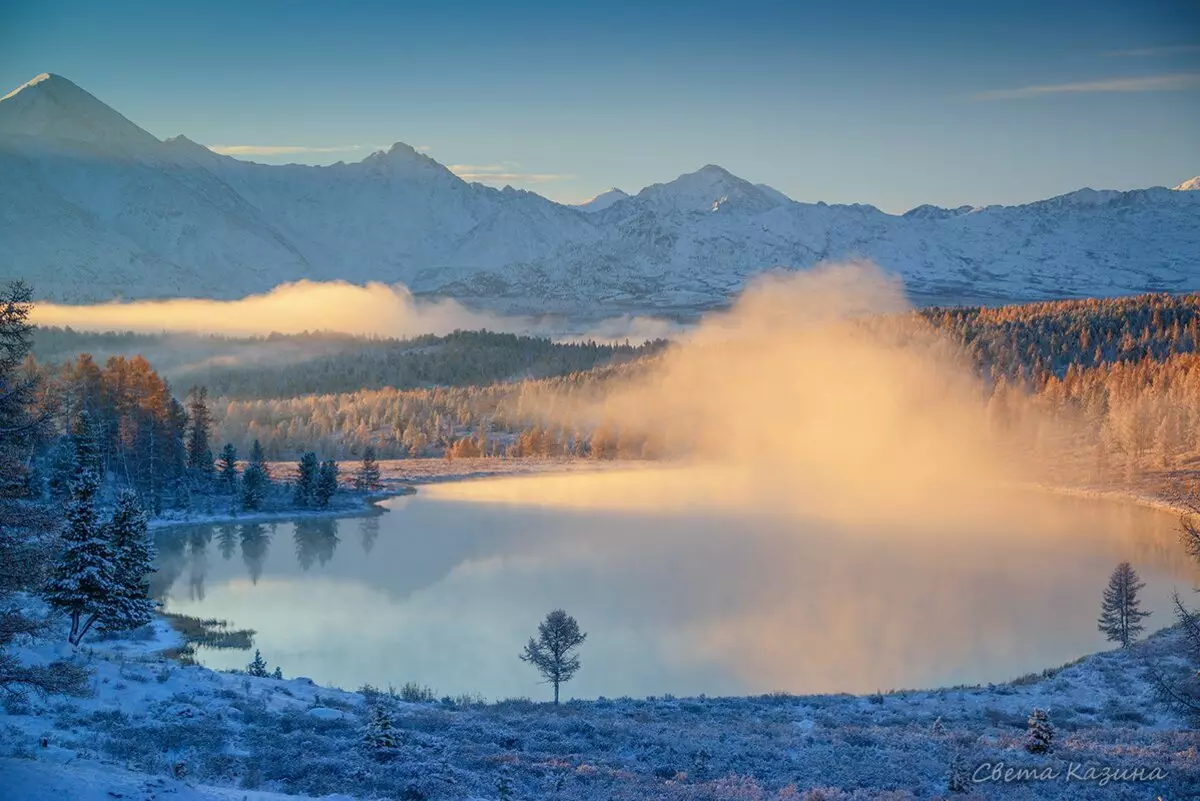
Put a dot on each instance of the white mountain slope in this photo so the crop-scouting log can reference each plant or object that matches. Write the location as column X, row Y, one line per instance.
column 93, row 207
column 602, row 201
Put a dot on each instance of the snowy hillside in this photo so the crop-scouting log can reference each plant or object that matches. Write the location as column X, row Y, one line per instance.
column 92, row 207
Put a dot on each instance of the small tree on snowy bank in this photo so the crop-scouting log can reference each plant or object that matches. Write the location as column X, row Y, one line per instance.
column 1039, row 736
column 326, row 483
column 367, row 477
column 258, row 667
column 1120, row 614
column 553, row 652
column 227, row 468
column 306, row 480
column 379, row 736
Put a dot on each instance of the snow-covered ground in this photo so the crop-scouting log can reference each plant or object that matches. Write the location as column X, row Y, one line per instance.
column 156, row 729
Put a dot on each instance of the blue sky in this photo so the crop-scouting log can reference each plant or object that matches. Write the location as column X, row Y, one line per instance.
column 893, row 104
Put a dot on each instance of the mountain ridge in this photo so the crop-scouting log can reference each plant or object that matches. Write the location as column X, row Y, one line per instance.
column 95, row 208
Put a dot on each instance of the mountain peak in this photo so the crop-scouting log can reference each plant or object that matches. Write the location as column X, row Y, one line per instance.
column 711, row 188
column 34, row 81
column 1190, row 185
column 53, row 108
column 602, row 201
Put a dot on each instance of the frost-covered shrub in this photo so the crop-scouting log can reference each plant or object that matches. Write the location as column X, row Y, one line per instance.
column 1039, row 737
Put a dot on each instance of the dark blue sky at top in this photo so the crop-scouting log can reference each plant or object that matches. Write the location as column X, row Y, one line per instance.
column 893, row 104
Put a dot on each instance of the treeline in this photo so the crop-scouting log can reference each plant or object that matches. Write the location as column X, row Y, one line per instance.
column 1034, row 341
column 280, row 366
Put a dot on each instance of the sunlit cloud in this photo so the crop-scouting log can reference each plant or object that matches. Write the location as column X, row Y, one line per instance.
column 279, row 150
column 1160, row 50
column 504, row 173
column 1175, row 82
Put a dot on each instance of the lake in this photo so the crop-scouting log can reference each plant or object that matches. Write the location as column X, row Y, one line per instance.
column 443, row 588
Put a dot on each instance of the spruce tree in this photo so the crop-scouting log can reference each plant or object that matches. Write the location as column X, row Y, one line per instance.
column 133, row 560
column 1039, row 736
column 306, row 479
column 379, row 736
column 258, row 667
column 257, row 457
column 199, row 451
column 254, row 487
column 1120, row 614
column 367, row 477
column 326, row 483
column 83, row 580
column 227, row 468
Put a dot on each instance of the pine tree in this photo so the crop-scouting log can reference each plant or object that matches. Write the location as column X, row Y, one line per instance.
column 83, row 578
column 257, row 457
column 306, row 479
column 254, row 487
column 326, row 483
column 26, row 529
column 1039, row 736
column 199, row 452
column 258, row 667
column 553, row 652
column 133, row 560
column 379, row 736
column 227, row 468
column 1120, row 615
column 367, row 477
column 959, row 780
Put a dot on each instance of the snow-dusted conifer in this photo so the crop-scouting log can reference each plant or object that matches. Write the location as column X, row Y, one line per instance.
column 379, row 736
column 326, row 483
column 258, row 457
column 1120, row 614
column 306, row 479
column 1039, row 736
column 83, row 579
column 258, row 667
column 367, row 477
column 199, row 452
column 227, row 468
column 133, row 560
column 959, row 780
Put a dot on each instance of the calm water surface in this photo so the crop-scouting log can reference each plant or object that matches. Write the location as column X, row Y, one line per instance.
column 444, row 589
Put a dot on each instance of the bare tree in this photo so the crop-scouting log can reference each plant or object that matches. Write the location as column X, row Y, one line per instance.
column 1120, row 615
column 553, row 652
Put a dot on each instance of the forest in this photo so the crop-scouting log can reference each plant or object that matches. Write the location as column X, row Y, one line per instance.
column 1114, row 381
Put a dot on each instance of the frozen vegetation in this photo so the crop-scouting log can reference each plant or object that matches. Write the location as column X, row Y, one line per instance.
column 151, row 725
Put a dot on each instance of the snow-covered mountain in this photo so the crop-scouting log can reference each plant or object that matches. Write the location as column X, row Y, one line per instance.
column 602, row 201
column 92, row 207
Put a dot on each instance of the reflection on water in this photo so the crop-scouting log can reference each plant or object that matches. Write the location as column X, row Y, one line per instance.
column 445, row 588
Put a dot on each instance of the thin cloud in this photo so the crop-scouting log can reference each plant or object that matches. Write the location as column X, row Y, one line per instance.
column 1176, row 82
column 278, row 150
column 504, row 173
column 1159, row 50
